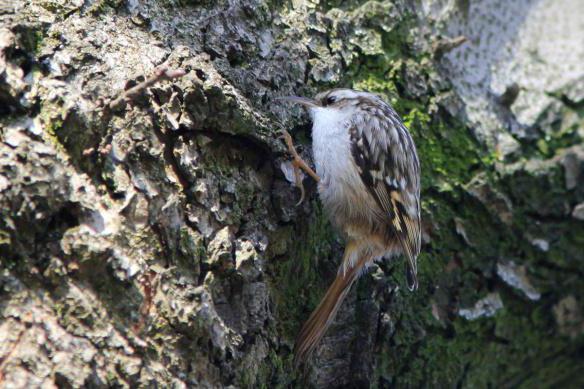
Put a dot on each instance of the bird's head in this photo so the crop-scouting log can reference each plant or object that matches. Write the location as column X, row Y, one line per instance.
column 335, row 101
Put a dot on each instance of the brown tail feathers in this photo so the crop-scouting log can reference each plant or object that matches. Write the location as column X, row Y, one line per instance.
column 322, row 317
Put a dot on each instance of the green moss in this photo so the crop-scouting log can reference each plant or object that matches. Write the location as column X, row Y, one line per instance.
column 447, row 151
column 488, row 352
column 37, row 41
column 298, row 283
column 52, row 126
column 457, row 271
column 72, row 136
column 560, row 134
column 103, row 6
column 449, row 155
column 519, row 345
column 378, row 84
column 483, row 353
column 65, row 130
column 191, row 251
column 273, row 372
column 300, row 280
column 29, row 37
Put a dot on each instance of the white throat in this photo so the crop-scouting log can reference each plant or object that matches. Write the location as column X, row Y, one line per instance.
column 330, row 141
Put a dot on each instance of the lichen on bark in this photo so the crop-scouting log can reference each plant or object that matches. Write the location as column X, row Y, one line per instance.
column 158, row 244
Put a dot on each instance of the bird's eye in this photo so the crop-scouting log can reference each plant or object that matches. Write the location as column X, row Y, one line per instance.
column 329, row 100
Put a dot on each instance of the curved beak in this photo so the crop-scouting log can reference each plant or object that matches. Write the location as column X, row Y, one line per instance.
column 305, row 101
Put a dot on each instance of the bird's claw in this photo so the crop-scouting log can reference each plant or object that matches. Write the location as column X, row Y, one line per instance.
column 299, row 184
column 296, row 163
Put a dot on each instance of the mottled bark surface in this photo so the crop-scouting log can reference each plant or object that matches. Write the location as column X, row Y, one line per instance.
column 159, row 243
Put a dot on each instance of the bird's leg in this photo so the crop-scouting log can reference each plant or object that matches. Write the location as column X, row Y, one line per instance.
column 298, row 163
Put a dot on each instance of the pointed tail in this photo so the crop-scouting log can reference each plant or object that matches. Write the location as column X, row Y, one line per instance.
column 322, row 317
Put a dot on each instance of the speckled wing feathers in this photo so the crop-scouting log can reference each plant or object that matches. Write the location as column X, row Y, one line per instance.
column 387, row 161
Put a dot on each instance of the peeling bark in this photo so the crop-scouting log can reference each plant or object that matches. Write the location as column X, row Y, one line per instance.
column 156, row 242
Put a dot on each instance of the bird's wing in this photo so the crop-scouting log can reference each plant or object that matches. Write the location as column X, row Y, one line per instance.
column 387, row 161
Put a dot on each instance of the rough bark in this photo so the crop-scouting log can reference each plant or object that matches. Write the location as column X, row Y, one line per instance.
column 156, row 242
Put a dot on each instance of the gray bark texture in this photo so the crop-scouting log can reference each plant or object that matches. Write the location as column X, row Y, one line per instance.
column 156, row 242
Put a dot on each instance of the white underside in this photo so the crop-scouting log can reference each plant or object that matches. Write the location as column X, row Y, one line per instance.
column 332, row 149
column 341, row 188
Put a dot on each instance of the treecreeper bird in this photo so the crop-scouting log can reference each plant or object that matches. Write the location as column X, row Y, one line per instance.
column 368, row 176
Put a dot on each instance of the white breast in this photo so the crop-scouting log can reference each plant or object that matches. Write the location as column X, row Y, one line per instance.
column 330, row 142
column 340, row 184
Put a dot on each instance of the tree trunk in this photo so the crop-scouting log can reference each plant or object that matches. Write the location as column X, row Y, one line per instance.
column 156, row 242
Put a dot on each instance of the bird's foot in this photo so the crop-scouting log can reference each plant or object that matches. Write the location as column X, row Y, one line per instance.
column 298, row 163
